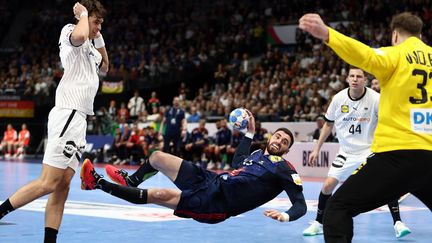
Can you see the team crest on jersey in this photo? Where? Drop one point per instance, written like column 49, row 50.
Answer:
column 297, row 180
column 344, row 108
column 275, row 159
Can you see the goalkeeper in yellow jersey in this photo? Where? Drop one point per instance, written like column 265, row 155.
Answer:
column 402, row 144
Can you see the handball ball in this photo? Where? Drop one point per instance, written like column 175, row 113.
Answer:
column 239, row 119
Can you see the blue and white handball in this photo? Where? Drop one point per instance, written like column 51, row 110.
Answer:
column 239, row 119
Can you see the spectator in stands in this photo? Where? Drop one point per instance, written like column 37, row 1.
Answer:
column 316, row 133
column 112, row 110
column 154, row 141
column 183, row 91
column 246, row 66
column 375, row 85
column 134, row 146
column 193, row 116
column 135, row 105
column 123, row 114
column 173, row 122
column 153, row 102
column 121, row 138
column 23, row 142
column 220, row 76
column 8, row 142
column 219, row 150
column 198, row 142
column 185, row 139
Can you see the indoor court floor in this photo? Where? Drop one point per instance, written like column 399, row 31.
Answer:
column 94, row 216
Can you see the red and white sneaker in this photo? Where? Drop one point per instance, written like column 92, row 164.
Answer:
column 89, row 177
column 117, row 175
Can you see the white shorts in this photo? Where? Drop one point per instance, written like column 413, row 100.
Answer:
column 344, row 164
column 66, row 138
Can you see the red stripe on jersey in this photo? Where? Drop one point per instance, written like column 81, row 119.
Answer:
column 290, row 165
column 208, row 216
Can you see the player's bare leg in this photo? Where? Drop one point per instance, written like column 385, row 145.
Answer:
column 329, row 185
column 45, row 184
column 166, row 163
column 164, row 197
column 56, row 201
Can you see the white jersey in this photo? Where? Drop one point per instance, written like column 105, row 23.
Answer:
column 136, row 106
column 79, row 84
column 355, row 120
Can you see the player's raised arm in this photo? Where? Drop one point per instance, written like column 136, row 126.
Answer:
column 243, row 149
column 375, row 61
column 81, row 31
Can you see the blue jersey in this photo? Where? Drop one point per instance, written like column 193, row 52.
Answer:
column 211, row 198
column 223, row 136
column 258, row 179
column 199, row 135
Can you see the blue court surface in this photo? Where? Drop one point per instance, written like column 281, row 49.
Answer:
column 94, row 216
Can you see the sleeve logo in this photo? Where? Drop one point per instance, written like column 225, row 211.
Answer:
column 297, row 180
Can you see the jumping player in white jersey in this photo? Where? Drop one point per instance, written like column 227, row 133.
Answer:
column 82, row 54
column 354, row 114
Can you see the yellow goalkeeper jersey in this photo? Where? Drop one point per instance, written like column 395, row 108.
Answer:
column 405, row 76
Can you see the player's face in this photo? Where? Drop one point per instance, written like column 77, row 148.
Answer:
column 279, row 144
column 176, row 102
column 95, row 26
column 356, row 79
column 375, row 85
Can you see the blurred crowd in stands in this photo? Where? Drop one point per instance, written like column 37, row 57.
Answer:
column 14, row 144
column 214, row 52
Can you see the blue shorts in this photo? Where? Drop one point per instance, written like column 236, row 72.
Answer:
column 201, row 198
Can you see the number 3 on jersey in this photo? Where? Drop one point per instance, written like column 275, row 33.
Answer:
column 424, row 96
column 353, row 129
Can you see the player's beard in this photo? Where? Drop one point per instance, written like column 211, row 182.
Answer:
column 273, row 151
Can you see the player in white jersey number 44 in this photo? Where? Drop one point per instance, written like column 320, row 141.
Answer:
column 353, row 113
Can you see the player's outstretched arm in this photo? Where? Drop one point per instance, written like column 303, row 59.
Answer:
column 297, row 210
column 379, row 62
column 314, row 25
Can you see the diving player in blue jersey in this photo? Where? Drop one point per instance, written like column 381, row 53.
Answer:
column 208, row 197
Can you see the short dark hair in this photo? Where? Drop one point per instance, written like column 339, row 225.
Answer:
column 94, row 7
column 407, row 23
column 287, row 131
column 354, row 67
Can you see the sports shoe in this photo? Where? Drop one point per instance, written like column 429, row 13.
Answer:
column 401, row 230
column 316, row 228
column 89, row 177
column 117, row 175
